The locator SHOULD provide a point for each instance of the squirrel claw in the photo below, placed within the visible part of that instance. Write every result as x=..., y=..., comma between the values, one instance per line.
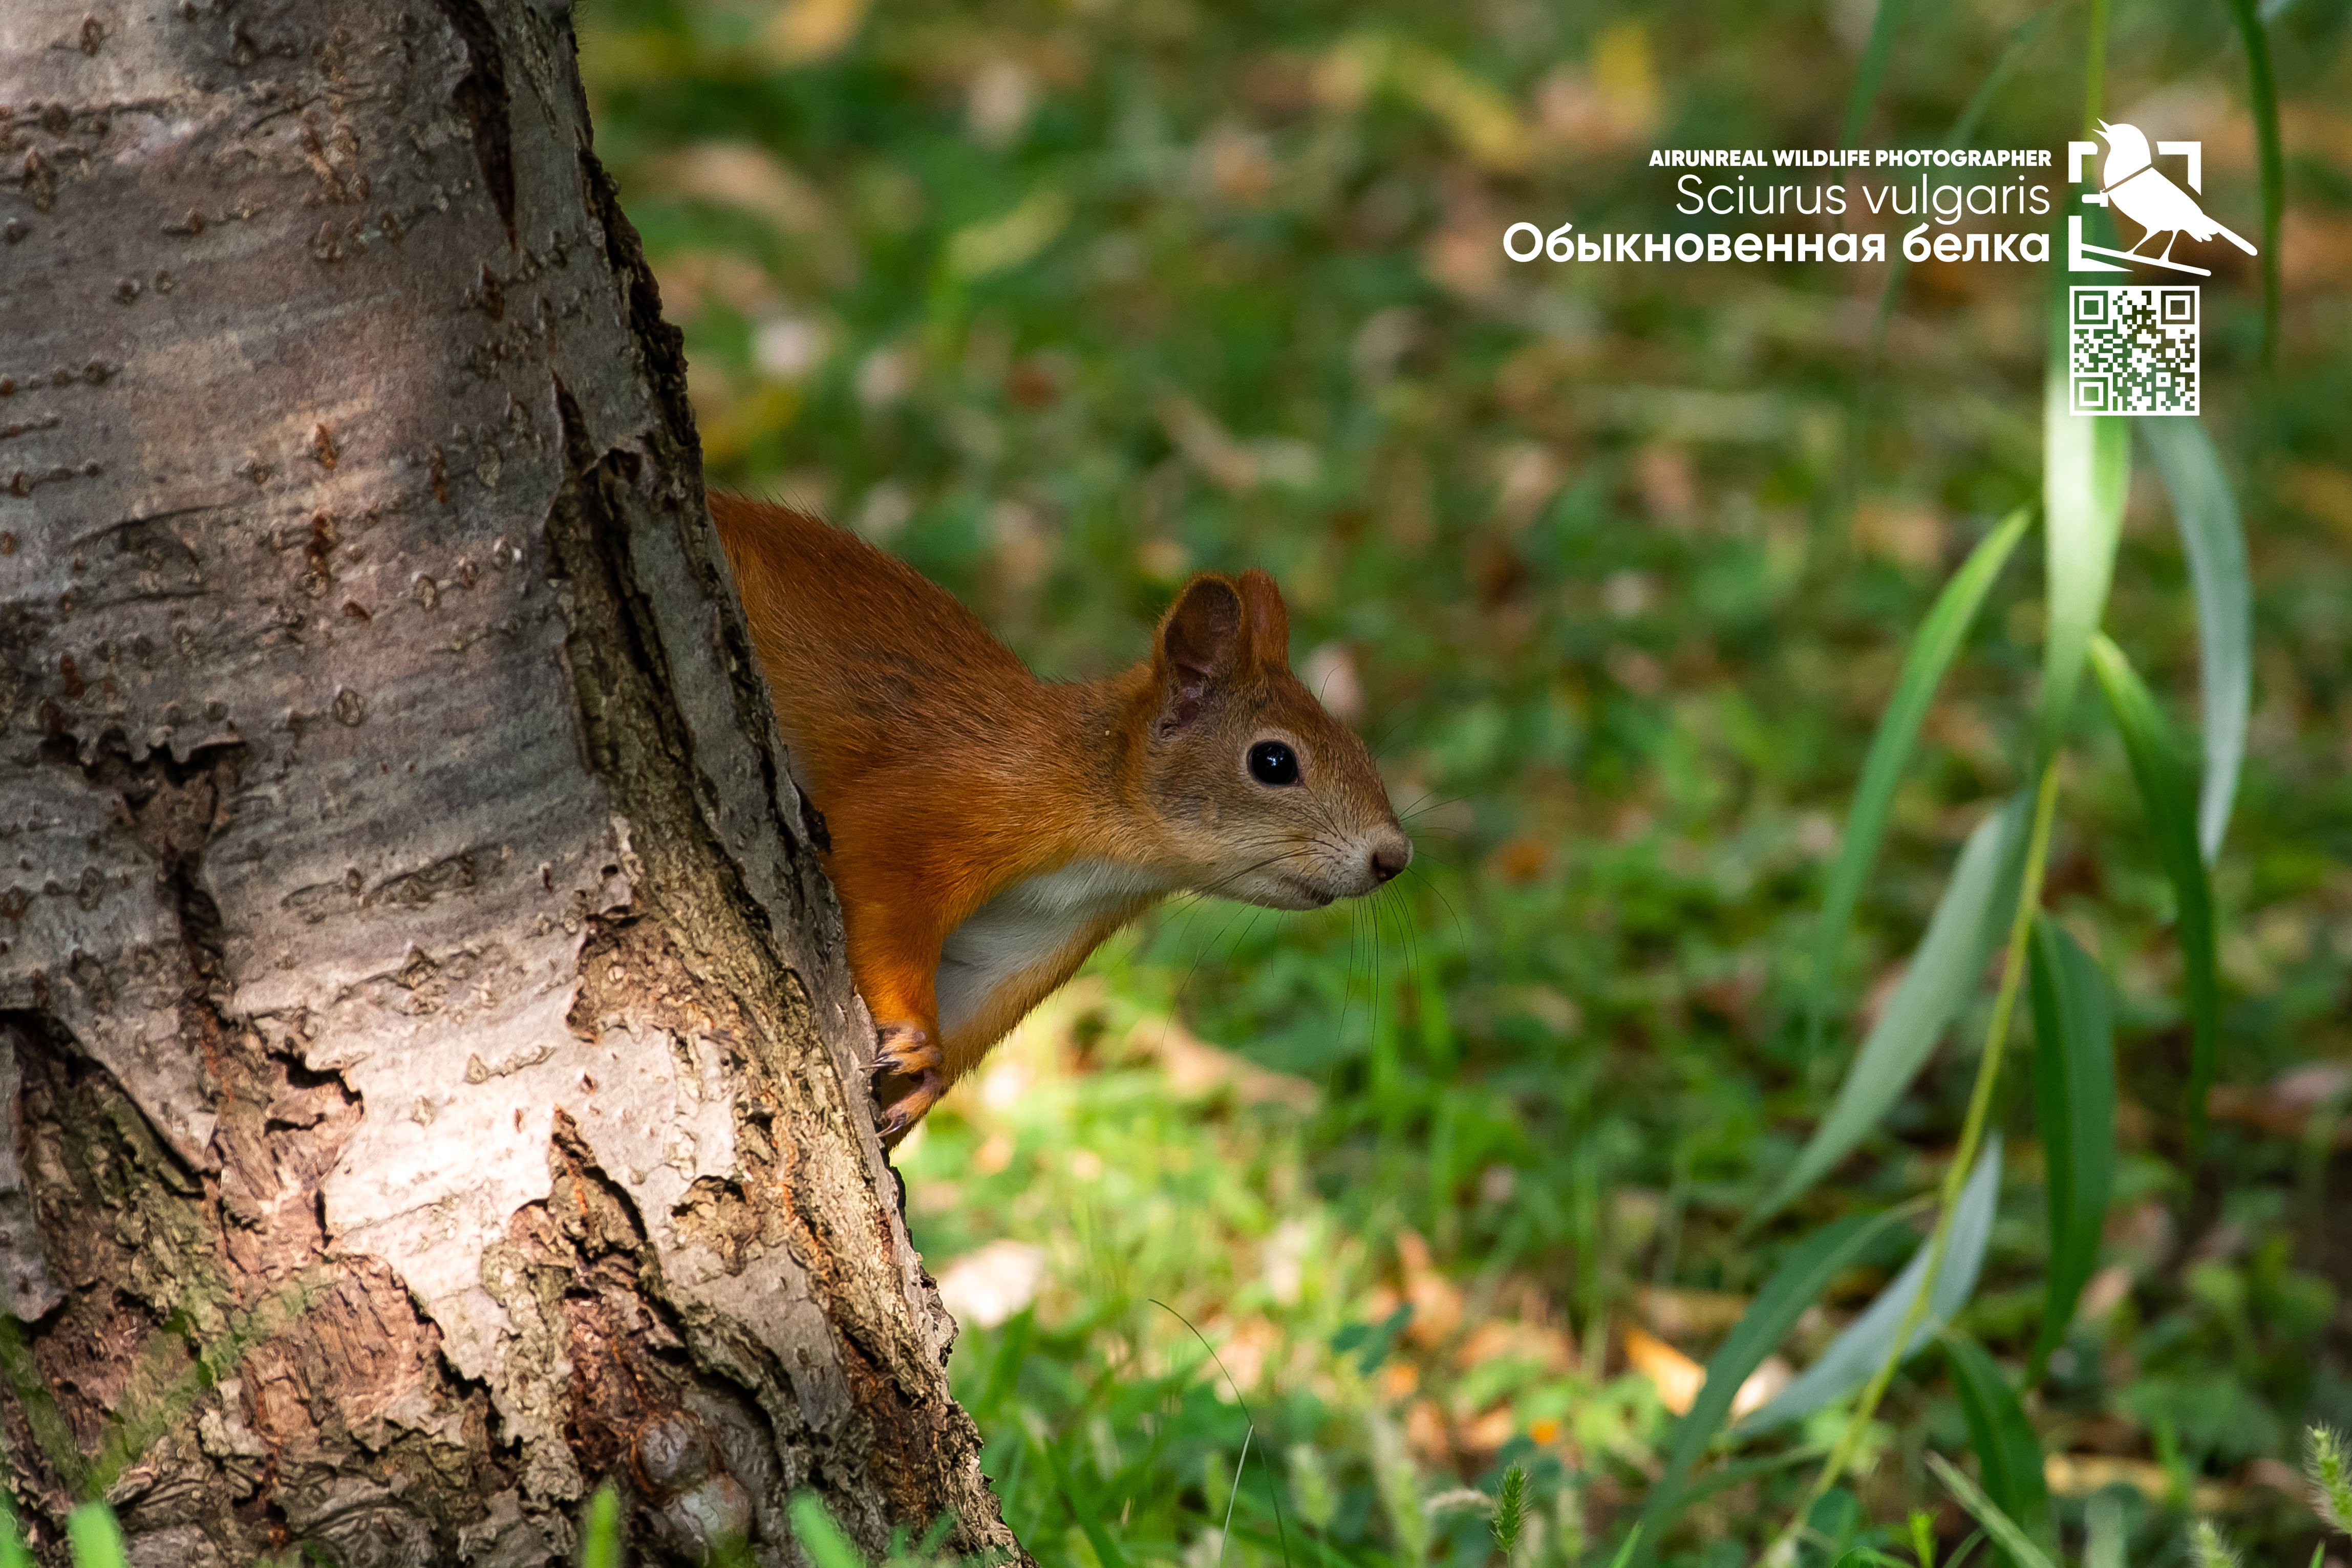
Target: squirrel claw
x=902, y=1051
x=899, y=1119
x=905, y=1053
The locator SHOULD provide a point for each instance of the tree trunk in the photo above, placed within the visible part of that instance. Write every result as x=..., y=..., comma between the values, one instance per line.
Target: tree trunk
x=433, y=1083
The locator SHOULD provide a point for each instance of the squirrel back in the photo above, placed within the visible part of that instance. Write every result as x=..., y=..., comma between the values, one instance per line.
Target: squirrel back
x=990, y=830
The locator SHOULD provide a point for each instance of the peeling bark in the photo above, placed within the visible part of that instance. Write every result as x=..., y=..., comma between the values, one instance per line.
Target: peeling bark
x=432, y=1083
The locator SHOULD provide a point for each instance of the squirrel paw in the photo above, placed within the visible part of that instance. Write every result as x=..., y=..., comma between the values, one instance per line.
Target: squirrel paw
x=908, y=1077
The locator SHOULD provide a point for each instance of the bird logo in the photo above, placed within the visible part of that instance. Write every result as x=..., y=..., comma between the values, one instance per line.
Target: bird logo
x=2130, y=183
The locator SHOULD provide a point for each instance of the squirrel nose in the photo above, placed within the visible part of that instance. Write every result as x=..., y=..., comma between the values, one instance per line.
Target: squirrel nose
x=1391, y=857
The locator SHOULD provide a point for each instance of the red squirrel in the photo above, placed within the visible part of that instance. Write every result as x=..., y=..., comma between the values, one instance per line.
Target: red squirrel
x=988, y=830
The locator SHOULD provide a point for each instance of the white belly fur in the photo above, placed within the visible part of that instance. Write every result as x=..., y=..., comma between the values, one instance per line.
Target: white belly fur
x=1025, y=925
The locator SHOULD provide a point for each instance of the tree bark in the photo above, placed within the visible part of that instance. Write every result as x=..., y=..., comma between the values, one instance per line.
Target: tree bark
x=433, y=1085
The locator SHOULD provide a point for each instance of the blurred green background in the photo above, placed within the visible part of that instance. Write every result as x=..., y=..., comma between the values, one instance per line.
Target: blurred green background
x=1614, y=566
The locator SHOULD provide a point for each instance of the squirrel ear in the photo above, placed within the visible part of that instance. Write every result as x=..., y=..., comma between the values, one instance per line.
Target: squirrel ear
x=1200, y=644
x=1269, y=622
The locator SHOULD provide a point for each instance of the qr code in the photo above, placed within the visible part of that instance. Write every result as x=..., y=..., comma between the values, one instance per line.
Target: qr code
x=2133, y=351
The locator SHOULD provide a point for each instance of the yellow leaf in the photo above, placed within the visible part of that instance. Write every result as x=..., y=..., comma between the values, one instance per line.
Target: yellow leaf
x=1676, y=1376
x=805, y=31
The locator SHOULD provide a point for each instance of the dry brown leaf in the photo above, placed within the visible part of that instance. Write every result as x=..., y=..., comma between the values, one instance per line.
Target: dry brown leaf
x=1425, y=1434
x=1436, y=1300
x=1486, y=1433
x=2283, y=1107
x=1498, y=1337
x=1680, y=1314
x=1676, y=1376
x=742, y=176
x=2081, y=1474
x=1197, y=1070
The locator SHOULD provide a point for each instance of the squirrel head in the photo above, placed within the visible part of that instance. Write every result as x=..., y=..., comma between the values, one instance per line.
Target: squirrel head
x=1266, y=797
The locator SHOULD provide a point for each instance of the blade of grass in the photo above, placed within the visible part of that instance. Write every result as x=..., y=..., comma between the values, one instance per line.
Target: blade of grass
x=1106, y=1549
x=95, y=1538
x=2075, y=1107
x=2085, y=469
x=1999, y=1525
x=1794, y=1286
x=1923, y=665
x=2163, y=783
x=1895, y=1318
x=2103, y=1532
x=1944, y=968
x=13, y=1553
x=1004, y=1369
x=2009, y=1454
x=1740, y=1471
x=2029, y=900
x=2263, y=93
x=1249, y=1430
x=820, y=1537
x=601, y=1546
x=2094, y=67
x=2022, y=40
x=2215, y=542
x=1397, y=1484
x=1233, y=1496
x=1873, y=66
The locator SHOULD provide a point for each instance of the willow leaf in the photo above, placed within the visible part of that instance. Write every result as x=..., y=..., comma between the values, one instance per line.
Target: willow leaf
x=2211, y=536
x=1923, y=665
x=1794, y=1286
x=1968, y=920
x=2086, y=468
x=2075, y=1108
x=2163, y=780
x=2009, y=1454
x=1867, y=1341
x=2263, y=93
x=2004, y=1530
x=1873, y=66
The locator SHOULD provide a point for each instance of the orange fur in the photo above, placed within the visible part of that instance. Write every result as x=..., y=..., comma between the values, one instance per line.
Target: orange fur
x=948, y=775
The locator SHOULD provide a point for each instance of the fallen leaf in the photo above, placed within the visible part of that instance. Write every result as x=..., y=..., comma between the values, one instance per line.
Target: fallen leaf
x=1676, y=1376
x=1772, y=1376
x=2283, y=1107
x=1436, y=1300
x=1486, y=1433
x=1498, y=1337
x=1424, y=1433
x=1680, y=1314
x=984, y=1289
x=1197, y=1070
x=804, y=31
x=742, y=175
x=2081, y=1474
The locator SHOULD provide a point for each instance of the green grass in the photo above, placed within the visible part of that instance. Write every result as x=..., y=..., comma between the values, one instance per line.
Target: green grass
x=1061, y=302
x=1693, y=618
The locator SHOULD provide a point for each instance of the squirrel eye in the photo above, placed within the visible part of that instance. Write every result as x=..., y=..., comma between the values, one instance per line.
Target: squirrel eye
x=1272, y=762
